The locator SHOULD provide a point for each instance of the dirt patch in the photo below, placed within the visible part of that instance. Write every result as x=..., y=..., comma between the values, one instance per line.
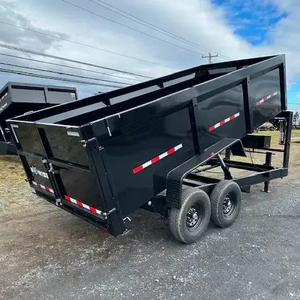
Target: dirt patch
x=15, y=194
x=11, y=170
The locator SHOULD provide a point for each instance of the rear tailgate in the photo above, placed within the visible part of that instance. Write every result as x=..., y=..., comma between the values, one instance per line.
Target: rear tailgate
x=57, y=165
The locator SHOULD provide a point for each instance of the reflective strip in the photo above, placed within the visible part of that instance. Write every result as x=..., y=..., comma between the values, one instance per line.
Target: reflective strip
x=44, y=187
x=211, y=128
x=74, y=201
x=156, y=159
x=266, y=98
x=80, y=204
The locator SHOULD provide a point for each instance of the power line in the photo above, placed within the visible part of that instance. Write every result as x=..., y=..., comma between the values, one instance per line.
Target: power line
x=62, y=73
x=29, y=74
x=65, y=66
x=11, y=47
x=150, y=25
x=85, y=45
x=129, y=27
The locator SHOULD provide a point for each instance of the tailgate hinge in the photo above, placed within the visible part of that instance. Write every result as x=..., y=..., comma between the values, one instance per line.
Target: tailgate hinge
x=107, y=127
x=85, y=142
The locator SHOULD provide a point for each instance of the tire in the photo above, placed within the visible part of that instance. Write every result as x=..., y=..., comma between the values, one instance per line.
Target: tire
x=224, y=213
x=181, y=221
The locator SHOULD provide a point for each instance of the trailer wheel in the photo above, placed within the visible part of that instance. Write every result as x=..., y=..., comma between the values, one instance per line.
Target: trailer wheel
x=225, y=203
x=189, y=222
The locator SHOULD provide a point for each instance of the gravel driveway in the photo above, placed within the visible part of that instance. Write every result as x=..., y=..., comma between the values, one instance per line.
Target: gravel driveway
x=46, y=253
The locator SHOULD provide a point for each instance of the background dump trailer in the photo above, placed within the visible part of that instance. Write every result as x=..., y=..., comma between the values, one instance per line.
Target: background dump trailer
x=141, y=146
x=19, y=98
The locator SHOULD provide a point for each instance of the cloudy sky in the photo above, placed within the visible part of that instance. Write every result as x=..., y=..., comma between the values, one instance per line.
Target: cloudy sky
x=89, y=31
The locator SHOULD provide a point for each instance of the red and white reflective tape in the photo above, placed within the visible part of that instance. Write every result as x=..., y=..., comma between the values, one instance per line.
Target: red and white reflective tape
x=80, y=204
x=156, y=159
x=266, y=98
x=211, y=128
x=44, y=187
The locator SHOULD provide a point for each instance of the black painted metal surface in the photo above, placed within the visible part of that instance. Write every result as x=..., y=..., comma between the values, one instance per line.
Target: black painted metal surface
x=19, y=98
x=116, y=158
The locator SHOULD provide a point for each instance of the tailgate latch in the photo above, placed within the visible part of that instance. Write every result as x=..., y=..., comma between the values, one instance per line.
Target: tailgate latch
x=51, y=170
x=58, y=202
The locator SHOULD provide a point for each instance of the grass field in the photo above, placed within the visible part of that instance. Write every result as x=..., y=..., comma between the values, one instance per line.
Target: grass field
x=277, y=157
x=275, y=136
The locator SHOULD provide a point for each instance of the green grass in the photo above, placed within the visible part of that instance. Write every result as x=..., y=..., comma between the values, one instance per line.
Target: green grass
x=276, y=133
x=275, y=136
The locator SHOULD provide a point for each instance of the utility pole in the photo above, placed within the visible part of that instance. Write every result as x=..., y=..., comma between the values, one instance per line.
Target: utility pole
x=210, y=56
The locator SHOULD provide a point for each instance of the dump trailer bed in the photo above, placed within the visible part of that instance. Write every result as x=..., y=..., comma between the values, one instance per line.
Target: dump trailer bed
x=103, y=157
x=19, y=98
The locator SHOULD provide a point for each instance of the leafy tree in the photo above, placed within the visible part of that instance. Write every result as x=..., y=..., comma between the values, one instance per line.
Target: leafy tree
x=296, y=118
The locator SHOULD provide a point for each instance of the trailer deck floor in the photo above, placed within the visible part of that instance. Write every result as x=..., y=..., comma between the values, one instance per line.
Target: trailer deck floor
x=46, y=253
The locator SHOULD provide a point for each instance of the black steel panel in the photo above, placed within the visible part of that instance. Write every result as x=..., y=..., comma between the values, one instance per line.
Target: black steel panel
x=133, y=149
x=257, y=141
x=28, y=137
x=260, y=88
x=218, y=108
x=18, y=99
x=58, y=96
x=65, y=144
x=32, y=95
x=80, y=185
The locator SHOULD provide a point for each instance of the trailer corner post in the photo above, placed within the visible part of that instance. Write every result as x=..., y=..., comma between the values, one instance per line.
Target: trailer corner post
x=247, y=106
x=282, y=72
x=193, y=109
x=288, y=136
x=105, y=185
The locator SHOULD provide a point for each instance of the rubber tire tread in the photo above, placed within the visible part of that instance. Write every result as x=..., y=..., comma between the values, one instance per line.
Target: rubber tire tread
x=177, y=217
x=218, y=194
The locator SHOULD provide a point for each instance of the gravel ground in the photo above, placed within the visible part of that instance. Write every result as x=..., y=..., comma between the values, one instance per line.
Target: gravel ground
x=46, y=253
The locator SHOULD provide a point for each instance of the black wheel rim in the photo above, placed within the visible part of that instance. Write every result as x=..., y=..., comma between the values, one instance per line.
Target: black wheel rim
x=229, y=204
x=194, y=217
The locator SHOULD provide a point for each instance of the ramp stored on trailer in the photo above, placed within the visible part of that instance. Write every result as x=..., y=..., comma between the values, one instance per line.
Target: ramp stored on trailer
x=141, y=146
x=19, y=98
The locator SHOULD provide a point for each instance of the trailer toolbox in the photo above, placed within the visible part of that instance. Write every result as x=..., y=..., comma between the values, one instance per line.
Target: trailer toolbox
x=19, y=98
x=103, y=157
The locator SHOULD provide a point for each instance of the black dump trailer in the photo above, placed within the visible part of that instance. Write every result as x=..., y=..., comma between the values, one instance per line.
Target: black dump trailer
x=19, y=98
x=147, y=146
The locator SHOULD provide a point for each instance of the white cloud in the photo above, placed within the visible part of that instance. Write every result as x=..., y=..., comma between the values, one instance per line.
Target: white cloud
x=199, y=21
